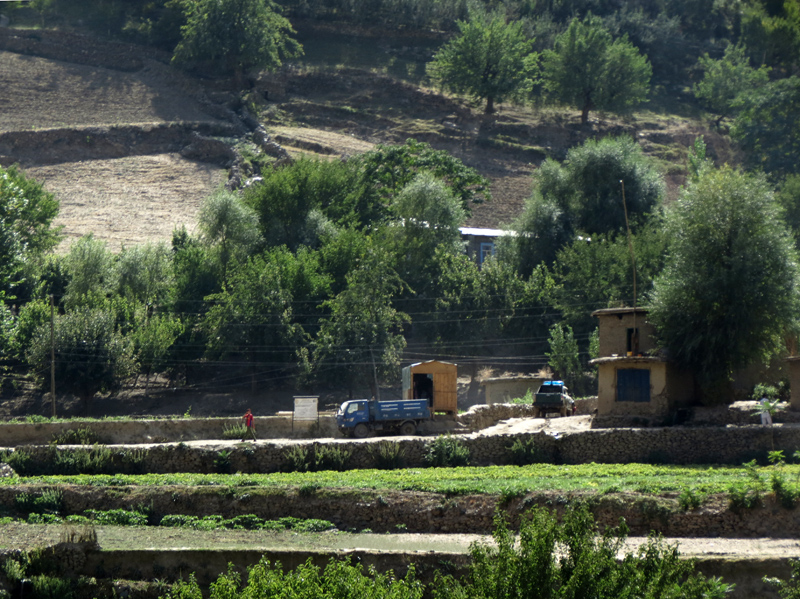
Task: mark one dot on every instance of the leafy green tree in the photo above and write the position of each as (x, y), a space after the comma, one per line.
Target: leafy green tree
(591, 70)
(597, 273)
(427, 218)
(152, 341)
(361, 340)
(90, 267)
(572, 558)
(228, 226)
(144, 273)
(767, 126)
(724, 79)
(788, 198)
(584, 195)
(386, 170)
(728, 295)
(90, 354)
(252, 319)
(27, 212)
(564, 355)
(489, 60)
(296, 202)
(241, 34)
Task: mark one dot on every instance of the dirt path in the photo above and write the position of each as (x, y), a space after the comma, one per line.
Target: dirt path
(156, 538)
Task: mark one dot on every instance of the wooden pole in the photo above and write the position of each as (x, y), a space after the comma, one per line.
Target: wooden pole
(53, 354)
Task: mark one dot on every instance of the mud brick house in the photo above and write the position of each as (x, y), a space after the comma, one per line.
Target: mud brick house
(637, 386)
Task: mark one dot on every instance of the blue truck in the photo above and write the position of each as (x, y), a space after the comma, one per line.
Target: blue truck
(552, 397)
(359, 417)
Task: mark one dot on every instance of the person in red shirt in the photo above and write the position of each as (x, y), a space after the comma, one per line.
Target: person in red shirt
(250, 429)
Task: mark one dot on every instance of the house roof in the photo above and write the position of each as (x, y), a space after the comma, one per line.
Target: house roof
(618, 311)
(627, 360)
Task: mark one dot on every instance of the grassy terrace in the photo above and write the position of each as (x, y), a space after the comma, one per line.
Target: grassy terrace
(496, 480)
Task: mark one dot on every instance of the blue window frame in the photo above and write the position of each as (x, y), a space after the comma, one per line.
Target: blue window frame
(633, 384)
(487, 250)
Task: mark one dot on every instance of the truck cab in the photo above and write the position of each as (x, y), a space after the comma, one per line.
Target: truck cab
(351, 413)
(553, 397)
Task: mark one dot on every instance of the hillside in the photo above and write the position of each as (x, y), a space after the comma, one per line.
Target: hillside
(113, 136)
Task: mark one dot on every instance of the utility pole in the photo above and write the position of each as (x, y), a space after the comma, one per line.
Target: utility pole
(53, 354)
(635, 335)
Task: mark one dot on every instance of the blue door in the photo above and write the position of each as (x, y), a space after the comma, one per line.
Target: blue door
(633, 384)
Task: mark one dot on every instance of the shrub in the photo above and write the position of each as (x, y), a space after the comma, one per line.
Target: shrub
(50, 501)
(222, 462)
(387, 455)
(330, 458)
(447, 451)
(524, 452)
(526, 399)
(298, 459)
(550, 560)
(117, 517)
(690, 499)
(80, 436)
(234, 431)
(51, 587)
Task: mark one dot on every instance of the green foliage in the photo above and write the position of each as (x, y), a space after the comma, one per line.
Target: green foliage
(222, 461)
(234, 431)
(767, 126)
(317, 458)
(229, 227)
(79, 436)
(240, 34)
(447, 451)
(729, 289)
(787, 589)
(748, 494)
(574, 559)
(27, 212)
(90, 354)
(117, 517)
(724, 79)
(144, 273)
(297, 203)
(690, 499)
(52, 587)
(591, 70)
(387, 169)
(339, 579)
(362, 340)
(563, 356)
(524, 452)
(387, 455)
(90, 268)
(489, 60)
(49, 501)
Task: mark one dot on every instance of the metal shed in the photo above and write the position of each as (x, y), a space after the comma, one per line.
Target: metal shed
(435, 381)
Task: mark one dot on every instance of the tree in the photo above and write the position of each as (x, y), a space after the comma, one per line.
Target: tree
(152, 340)
(728, 296)
(768, 126)
(724, 79)
(90, 354)
(27, 212)
(589, 69)
(428, 216)
(241, 34)
(584, 194)
(361, 340)
(564, 356)
(90, 266)
(229, 227)
(144, 273)
(489, 60)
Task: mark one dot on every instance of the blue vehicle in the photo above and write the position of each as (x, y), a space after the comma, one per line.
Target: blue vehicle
(359, 417)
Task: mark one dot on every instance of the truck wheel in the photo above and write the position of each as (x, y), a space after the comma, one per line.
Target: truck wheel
(407, 429)
(360, 431)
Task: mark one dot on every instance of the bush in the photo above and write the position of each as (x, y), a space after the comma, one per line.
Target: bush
(222, 461)
(117, 517)
(447, 451)
(524, 452)
(552, 560)
(331, 458)
(298, 459)
(387, 455)
(232, 432)
(80, 436)
(50, 501)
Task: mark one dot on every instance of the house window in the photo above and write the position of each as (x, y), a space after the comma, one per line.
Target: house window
(487, 250)
(633, 384)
